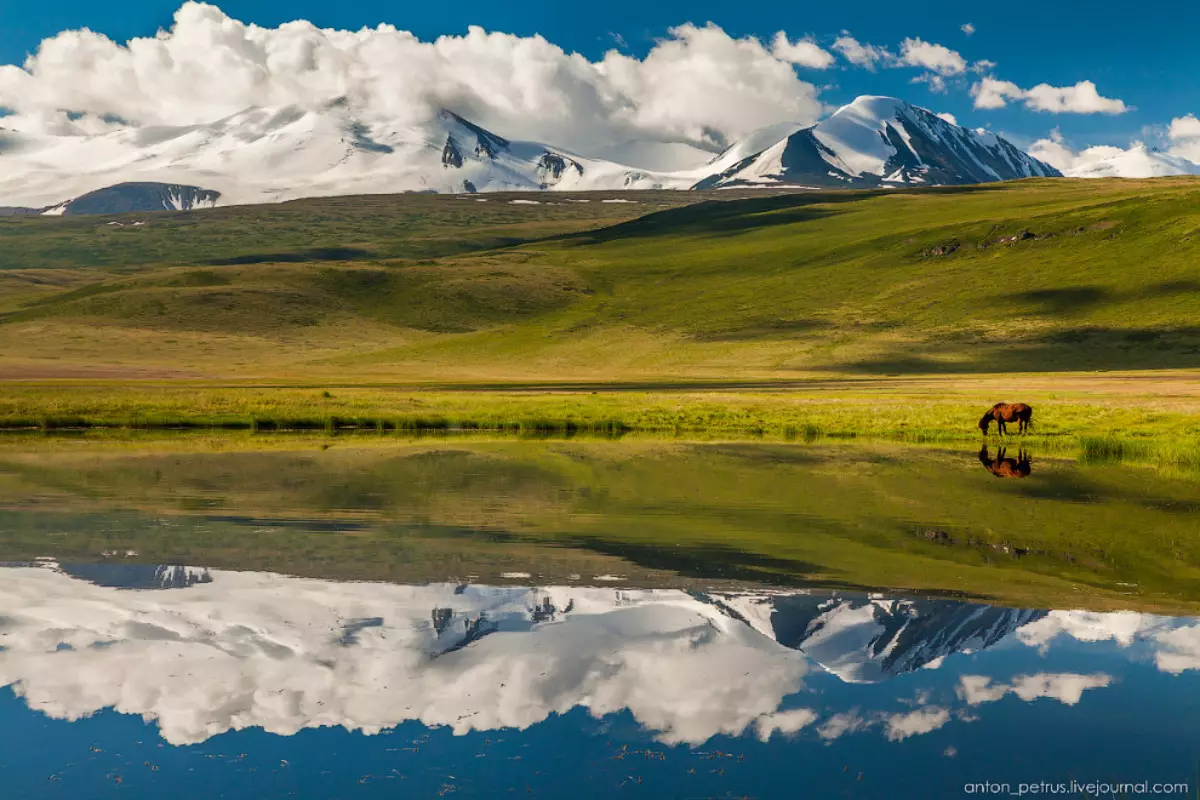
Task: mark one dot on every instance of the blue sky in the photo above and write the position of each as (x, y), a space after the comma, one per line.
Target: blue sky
(1137, 58)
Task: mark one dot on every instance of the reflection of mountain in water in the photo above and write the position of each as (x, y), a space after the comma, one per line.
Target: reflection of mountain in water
(138, 576)
(866, 639)
(368, 657)
(858, 638)
(454, 631)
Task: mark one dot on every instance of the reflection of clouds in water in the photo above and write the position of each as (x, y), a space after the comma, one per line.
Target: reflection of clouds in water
(1172, 641)
(840, 724)
(254, 650)
(896, 727)
(1178, 649)
(1122, 627)
(915, 723)
(1066, 688)
(784, 722)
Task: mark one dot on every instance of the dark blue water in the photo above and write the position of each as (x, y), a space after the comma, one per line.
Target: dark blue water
(151, 682)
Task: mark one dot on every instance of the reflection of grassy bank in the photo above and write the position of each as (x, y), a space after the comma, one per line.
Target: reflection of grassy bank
(866, 517)
(1164, 431)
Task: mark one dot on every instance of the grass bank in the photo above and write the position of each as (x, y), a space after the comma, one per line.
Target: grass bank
(1163, 431)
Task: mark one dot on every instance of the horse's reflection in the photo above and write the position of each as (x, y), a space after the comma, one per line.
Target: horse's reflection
(1002, 467)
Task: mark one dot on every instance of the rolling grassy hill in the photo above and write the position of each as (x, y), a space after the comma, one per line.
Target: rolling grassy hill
(1032, 276)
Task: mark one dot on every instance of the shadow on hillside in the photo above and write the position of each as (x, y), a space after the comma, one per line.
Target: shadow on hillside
(295, 256)
(1075, 349)
(753, 330)
(1063, 301)
(1079, 299)
(717, 217)
(711, 562)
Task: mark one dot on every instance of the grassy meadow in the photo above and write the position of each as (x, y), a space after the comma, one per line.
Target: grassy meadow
(1035, 276)
(886, 313)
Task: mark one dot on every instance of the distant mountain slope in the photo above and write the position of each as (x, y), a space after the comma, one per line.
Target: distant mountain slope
(126, 198)
(275, 154)
(1138, 161)
(881, 141)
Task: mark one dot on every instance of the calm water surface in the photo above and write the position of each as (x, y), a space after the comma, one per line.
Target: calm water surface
(592, 620)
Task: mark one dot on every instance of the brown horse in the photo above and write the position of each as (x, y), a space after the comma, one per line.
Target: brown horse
(1007, 412)
(1002, 467)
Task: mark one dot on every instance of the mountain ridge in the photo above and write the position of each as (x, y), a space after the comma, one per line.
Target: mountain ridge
(881, 141)
(275, 154)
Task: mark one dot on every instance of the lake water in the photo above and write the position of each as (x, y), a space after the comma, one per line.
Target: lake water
(352, 618)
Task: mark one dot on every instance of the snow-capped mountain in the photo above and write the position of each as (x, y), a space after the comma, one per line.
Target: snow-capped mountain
(877, 141)
(275, 154)
(271, 155)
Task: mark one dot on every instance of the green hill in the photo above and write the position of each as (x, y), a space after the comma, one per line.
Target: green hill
(1032, 276)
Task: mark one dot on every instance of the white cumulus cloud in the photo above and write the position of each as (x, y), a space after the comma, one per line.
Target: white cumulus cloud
(1054, 151)
(991, 93)
(698, 85)
(859, 54)
(933, 57)
(1184, 134)
(803, 53)
(1082, 98)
